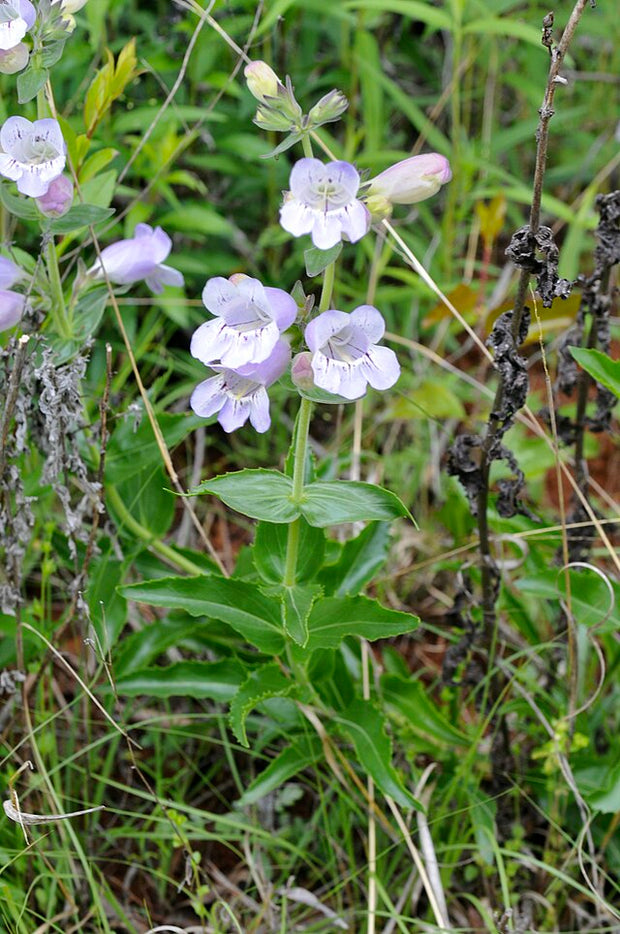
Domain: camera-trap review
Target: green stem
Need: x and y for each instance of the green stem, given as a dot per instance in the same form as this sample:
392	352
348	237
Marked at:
299	470
59	311
143	533
329	276
307	146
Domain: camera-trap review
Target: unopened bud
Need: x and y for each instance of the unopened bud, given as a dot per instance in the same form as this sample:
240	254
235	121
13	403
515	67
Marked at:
14	60
329	108
58	198
263	82
70	6
301	371
410	181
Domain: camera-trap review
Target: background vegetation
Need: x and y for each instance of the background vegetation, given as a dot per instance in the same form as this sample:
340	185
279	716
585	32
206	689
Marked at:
512	747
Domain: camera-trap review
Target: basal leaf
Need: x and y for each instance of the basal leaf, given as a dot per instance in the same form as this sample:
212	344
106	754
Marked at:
360	559
259	494
238	603
334	618
299	755
409	701
268	681
362	723
331	502
217	681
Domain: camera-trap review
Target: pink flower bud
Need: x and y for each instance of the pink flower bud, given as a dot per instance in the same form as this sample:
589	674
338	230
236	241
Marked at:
262	81
411	180
301	371
58	198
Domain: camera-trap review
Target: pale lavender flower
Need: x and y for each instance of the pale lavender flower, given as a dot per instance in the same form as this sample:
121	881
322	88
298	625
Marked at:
409	181
140	257
322	202
70	6
15	59
58	198
33	153
249	320
9	273
16	18
241	394
345	356
11	308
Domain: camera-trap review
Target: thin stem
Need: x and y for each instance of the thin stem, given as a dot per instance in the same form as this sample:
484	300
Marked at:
59	311
329	276
307	146
146	536
299	470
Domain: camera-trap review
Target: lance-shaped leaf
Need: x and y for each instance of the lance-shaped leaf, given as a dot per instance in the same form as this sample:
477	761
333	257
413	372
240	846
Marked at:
259	494
362	723
304	752
240	604
331	502
360	559
334	618
217	681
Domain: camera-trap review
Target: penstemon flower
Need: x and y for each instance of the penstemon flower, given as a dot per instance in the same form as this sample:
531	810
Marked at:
140	257
408	182
9	273
249	320
241	394
11	308
33	153
322	202
345	356
14	59
16	18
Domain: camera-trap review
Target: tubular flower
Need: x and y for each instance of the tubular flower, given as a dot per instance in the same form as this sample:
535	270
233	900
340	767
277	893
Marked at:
408	182
58	198
345	356
241	394
140	257
33	153
9	273
322	202
11	308
249	320
16	18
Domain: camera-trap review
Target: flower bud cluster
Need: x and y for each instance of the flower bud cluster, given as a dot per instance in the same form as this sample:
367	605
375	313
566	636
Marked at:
278	109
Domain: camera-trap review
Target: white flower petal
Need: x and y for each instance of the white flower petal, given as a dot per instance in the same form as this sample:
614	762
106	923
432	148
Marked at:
297	218
14	132
370	320
208	397
259	410
380	367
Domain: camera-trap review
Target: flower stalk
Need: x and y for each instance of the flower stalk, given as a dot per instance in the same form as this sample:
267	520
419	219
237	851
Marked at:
299	471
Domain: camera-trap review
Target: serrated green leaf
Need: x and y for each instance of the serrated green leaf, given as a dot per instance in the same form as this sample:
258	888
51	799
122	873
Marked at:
317	260
240	604
299	755
217	681
80	215
268	681
296	603
364	725
408	700
360	559
334	618
259	494
600	366
328	503
269	551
